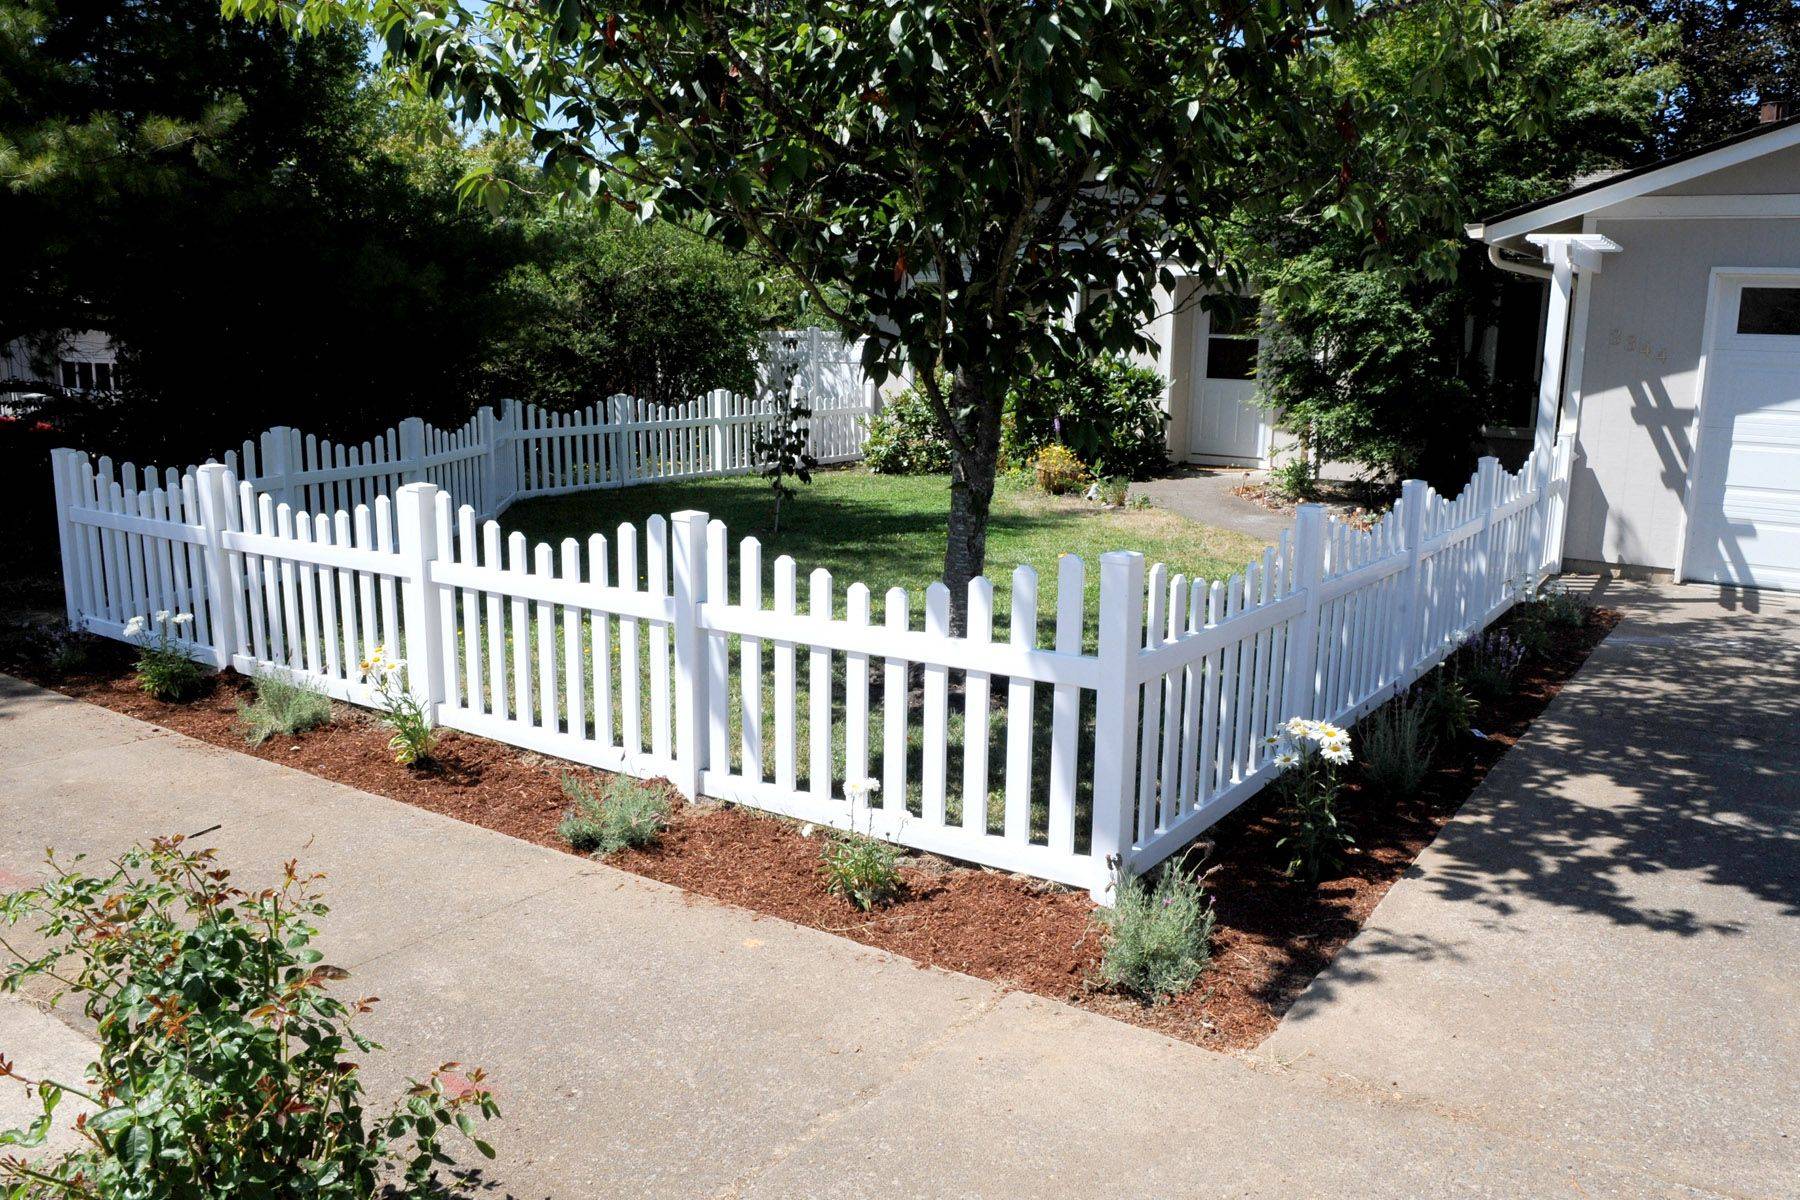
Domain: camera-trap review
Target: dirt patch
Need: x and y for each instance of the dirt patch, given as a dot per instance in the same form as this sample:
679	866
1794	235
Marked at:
1357	504
1273	935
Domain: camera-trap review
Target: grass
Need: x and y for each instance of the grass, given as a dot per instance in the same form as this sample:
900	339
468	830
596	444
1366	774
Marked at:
889	531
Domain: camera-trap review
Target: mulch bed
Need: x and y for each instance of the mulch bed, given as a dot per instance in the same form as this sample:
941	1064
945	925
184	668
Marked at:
1272	937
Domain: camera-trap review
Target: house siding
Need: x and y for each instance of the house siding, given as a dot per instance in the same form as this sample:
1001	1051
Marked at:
1638	389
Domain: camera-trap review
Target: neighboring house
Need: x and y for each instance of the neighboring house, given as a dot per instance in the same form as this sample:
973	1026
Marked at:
1673	357
1216	418
83	361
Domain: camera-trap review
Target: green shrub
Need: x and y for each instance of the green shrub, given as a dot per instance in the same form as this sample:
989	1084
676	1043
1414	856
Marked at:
1157	938
862	870
1114	491
30	644
1564	607
282	706
224	1067
904	437
1293	481
164	669
1450	710
1397	746
628	813
1106	410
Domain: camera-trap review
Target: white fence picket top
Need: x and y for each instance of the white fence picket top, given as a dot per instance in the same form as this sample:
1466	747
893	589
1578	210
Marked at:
1018	747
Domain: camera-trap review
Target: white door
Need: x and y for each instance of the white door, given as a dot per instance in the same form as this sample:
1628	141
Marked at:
1744	508
1225	424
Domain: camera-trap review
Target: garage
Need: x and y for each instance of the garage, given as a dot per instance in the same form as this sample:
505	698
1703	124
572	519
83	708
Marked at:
1744	508
1671	361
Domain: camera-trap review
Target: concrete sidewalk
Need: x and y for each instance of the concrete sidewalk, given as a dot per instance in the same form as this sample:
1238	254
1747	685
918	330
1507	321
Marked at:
1578	992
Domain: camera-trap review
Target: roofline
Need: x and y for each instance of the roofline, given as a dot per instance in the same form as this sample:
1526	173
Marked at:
1742	147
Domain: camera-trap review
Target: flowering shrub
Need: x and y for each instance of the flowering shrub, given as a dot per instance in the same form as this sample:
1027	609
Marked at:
904	435
1308	755
224	1068
164	669
403	712
1490	663
1158	939
1058	470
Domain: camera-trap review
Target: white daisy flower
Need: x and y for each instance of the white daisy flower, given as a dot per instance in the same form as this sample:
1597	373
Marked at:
162	615
1286	759
1298	727
183	619
134	627
1337	753
1327	732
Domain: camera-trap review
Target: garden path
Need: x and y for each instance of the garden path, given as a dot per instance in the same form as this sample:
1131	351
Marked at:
1585	988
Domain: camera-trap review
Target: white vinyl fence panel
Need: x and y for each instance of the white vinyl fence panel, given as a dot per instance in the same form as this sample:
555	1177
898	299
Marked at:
673	651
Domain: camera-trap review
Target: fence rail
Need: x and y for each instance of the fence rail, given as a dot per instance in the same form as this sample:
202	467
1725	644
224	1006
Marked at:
1066	744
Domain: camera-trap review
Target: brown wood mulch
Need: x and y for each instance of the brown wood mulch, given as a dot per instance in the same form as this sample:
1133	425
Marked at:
1272	937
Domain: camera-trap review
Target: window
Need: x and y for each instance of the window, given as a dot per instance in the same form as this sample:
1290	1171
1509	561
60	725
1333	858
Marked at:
86	375
1231	339
1769	310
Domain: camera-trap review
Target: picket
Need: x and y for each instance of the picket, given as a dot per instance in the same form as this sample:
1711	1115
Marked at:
1101	759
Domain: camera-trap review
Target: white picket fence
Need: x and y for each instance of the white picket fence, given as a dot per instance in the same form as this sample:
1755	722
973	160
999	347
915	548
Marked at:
1065	744
524	450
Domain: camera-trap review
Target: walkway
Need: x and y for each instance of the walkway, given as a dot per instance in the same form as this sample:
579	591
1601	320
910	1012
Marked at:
1586	988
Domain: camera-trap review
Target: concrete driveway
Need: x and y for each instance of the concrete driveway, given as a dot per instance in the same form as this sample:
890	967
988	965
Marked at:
1585	988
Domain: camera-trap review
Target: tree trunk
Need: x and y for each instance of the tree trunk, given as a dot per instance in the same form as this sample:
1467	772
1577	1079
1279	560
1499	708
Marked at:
971	491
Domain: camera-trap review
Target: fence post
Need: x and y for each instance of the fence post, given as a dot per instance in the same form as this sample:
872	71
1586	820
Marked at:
224	598
1556	495
412	449
278	464
1300	691
690	666
496	435
1116	712
62	474
415	518
1412	581
1487	488
715	411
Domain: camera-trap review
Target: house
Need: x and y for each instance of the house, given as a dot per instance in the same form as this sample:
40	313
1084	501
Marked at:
1672	357
78	361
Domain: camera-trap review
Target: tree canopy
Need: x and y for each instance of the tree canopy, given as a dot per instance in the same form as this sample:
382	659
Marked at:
987	188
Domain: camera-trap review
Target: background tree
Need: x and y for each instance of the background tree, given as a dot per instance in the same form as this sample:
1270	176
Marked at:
1730	57
954	177
1379	359
608	306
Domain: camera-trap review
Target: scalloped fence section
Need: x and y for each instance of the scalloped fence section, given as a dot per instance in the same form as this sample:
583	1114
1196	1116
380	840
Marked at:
1053	737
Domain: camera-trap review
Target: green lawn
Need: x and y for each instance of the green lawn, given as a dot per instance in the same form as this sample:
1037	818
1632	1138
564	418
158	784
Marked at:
888	531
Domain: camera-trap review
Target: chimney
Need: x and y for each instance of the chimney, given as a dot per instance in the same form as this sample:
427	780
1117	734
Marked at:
1773	111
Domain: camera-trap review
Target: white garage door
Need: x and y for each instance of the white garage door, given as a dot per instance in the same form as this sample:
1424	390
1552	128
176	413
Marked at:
1744	522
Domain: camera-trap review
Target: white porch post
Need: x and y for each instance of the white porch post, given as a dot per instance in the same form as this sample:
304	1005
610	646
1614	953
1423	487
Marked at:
1565	254
1556	345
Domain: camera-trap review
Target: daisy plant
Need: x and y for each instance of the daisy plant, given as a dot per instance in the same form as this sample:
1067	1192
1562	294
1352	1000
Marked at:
404	712
1308	755
165	669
